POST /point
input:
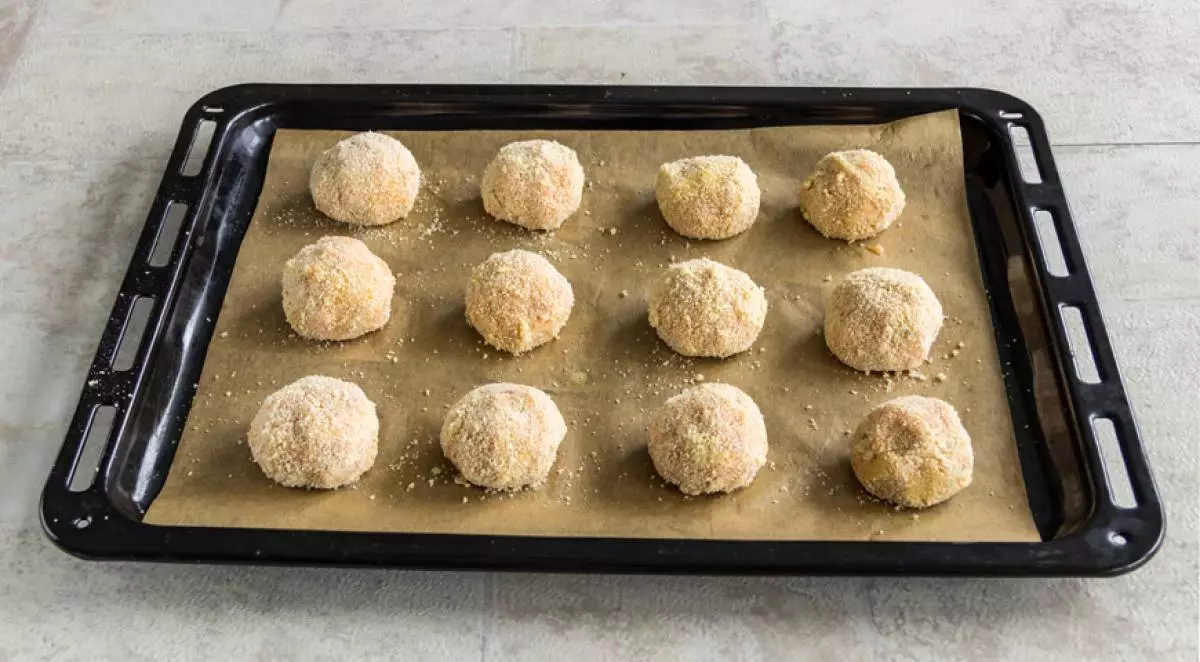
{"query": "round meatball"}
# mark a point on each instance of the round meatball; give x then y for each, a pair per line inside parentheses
(851, 195)
(366, 179)
(535, 184)
(912, 451)
(708, 197)
(337, 289)
(517, 301)
(503, 436)
(710, 438)
(704, 308)
(316, 432)
(882, 319)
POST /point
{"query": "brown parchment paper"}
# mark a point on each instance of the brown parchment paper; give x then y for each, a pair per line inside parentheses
(608, 371)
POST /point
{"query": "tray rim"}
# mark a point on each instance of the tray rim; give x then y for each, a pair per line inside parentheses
(1086, 551)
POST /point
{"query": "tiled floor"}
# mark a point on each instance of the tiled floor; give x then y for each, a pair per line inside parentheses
(92, 91)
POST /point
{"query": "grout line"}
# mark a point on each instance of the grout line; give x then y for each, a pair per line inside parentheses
(1186, 299)
(272, 28)
(133, 160)
(514, 56)
(262, 32)
(599, 25)
(634, 25)
(1148, 143)
(489, 624)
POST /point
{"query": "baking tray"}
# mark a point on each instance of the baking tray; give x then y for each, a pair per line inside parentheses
(148, 363)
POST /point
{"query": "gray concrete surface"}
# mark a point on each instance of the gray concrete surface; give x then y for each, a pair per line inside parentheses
(91, 93)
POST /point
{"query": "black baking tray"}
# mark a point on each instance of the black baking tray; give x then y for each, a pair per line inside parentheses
(1083, 530)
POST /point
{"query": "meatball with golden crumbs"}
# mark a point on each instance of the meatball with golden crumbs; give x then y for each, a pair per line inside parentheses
(535, 184)
(708, 197)
(517, 301)
(913, 451)
(337, 289)
(503, 436)
(710, 438)
(317, 432)
(882, 319)
(704, 308)
(366, 179)
(851, 195)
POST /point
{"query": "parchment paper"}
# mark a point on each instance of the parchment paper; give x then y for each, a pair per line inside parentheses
(608, 372)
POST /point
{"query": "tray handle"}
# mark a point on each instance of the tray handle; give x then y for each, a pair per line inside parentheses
(131, 334)
(1131, 532)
